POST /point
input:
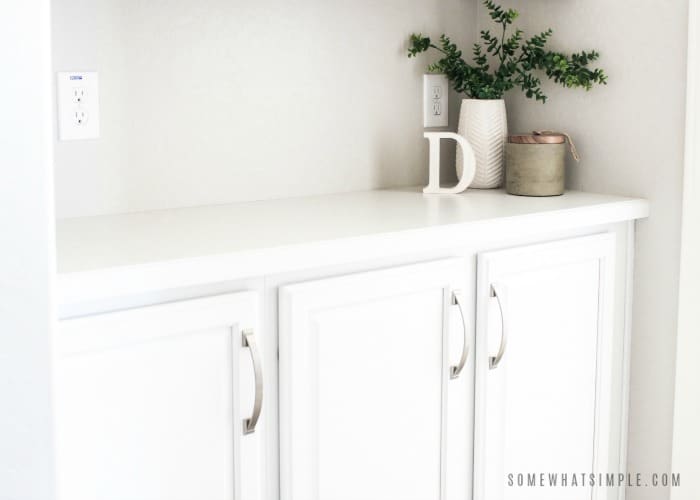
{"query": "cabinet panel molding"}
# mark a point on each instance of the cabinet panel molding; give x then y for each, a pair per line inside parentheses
(152, 402)
(366, 399)
(546, 407)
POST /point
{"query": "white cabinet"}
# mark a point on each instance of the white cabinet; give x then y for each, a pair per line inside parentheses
(359, 398)
(433, 381)
(152, 403)
(370, 408)
(543, 369)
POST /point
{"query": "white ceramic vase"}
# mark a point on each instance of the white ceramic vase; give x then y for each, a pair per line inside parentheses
(484, 124)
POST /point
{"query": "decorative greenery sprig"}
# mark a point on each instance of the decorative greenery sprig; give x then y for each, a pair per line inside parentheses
(516, 61)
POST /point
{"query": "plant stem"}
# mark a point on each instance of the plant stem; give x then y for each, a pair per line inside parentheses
(502, 52)
(437, 48)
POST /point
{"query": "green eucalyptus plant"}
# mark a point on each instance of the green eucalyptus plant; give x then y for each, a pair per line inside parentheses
(515, 61)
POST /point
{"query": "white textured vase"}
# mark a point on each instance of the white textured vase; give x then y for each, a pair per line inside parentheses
(484, 124)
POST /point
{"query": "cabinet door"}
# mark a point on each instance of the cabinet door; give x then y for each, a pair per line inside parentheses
(151, 403)
(544, 336)
(368, 408)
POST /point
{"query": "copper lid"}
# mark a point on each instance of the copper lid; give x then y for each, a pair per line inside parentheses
(537, 139)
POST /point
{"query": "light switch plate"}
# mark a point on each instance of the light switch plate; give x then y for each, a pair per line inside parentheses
(77, 95)
(435, 101)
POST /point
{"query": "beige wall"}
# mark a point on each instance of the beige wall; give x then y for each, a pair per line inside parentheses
(686, 434)
(631, 136)
(218, 101)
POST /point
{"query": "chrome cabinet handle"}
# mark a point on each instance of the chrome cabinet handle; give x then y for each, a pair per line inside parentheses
(498, 291)
(457, 369)
(249, 341)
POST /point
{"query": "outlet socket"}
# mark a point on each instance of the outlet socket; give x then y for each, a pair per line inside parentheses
(80, 117)
(79, 95)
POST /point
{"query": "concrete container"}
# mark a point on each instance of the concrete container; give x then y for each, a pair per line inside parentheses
(535, 165)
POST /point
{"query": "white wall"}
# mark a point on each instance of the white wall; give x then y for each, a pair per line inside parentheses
(218, 101)
(630, 135)
(26, 256)
(686, 434)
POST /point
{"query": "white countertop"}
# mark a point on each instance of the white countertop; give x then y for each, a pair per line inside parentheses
(95, 245)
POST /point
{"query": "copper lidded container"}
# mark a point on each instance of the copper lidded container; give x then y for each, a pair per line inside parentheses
(535, 164)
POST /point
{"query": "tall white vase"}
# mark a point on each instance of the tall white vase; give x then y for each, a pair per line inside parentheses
(484, 124)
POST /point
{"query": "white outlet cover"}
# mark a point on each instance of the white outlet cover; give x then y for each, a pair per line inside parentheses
(77, 95)
(435, 105)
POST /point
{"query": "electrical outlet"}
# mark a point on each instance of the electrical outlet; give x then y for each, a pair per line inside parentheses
(79, 95)
(80, 117)
(435, 94)
(78, 106)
